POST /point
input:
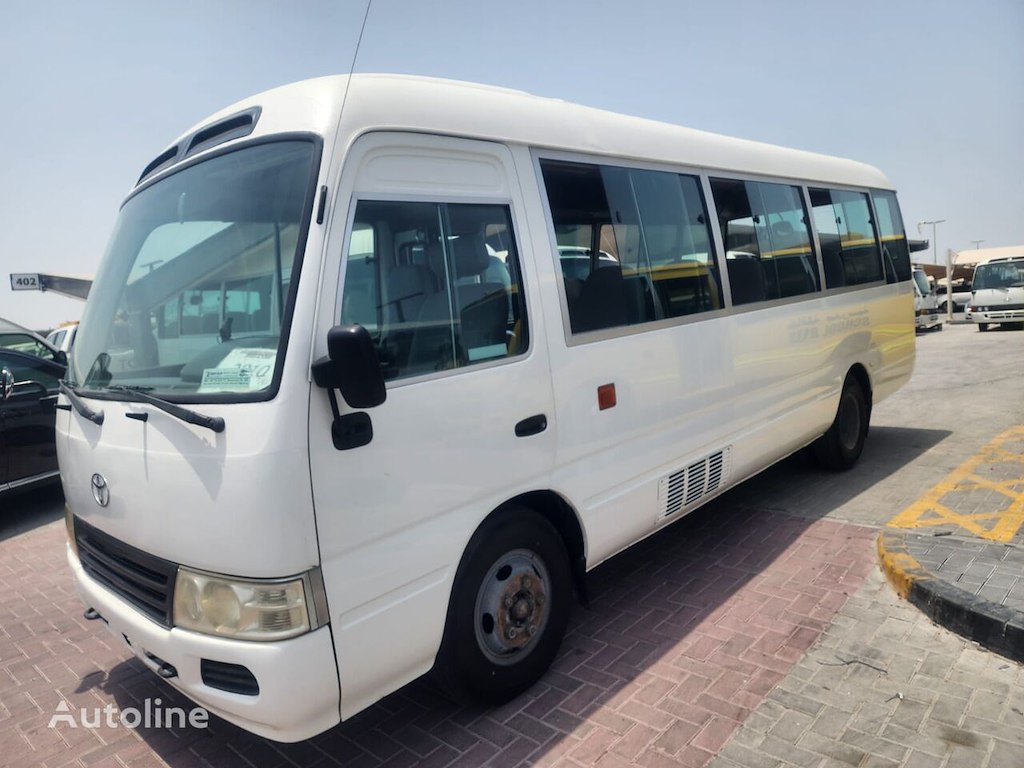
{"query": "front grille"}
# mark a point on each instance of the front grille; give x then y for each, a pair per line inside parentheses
(145, 581)
(233, 678)
(1002, 308)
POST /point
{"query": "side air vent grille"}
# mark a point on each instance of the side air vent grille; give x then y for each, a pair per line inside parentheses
(686, 487)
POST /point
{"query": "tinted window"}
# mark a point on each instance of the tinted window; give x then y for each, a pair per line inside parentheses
(27, 368)
(895, 252)
(437, 285)
(849, 247)
(22, 342)
(634, 245)
(767, 240)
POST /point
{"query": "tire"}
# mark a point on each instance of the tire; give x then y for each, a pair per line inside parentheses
(508, 610)
(841, 446)
(982, 327)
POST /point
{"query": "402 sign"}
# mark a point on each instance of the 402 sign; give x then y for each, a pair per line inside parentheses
(26, 283)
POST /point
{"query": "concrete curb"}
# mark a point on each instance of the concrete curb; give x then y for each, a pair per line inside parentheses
(994, 626)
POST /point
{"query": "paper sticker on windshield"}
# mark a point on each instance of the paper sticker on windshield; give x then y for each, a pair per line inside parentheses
(242, 370)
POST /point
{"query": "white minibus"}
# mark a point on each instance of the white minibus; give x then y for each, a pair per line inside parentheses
(997, 293)
(376, 368)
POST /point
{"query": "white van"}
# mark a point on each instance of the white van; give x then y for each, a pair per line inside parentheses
(997, 294)
(926, 303)
(339, 413)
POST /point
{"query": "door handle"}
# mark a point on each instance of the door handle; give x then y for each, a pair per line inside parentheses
(533, 425)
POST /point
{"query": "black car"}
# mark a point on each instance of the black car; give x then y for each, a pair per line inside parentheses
(30, 370)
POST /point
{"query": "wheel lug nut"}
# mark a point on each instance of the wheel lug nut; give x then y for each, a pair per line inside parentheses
(531, 630)
(509, 601)
(511, 634)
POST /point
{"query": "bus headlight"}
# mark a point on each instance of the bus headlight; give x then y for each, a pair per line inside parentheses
(248, 610)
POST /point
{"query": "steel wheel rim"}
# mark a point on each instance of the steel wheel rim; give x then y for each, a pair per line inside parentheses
(512, 606)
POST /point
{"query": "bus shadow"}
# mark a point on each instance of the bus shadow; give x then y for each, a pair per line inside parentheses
(662, 645)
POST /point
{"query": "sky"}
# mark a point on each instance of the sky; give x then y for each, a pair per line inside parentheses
(931, 92)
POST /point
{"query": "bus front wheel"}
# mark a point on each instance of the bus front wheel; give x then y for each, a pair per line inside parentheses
(841, 446)
(982, 327)
(508, 610)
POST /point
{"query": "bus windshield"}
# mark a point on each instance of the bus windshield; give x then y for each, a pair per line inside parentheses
(192, 294)
(1002, 274)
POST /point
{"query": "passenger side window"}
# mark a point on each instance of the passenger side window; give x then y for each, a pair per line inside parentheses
(849, 247)
(438, 285)
(895, 250)
(634, 245)
(767, 239)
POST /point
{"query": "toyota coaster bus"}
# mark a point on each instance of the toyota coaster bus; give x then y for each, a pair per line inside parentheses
(997, 293)
(376, 368)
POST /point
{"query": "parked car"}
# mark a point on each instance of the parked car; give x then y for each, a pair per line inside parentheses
(62, 338)
(30, 369)
(576, 261)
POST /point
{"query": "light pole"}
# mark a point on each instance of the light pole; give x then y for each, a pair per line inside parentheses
(977, 243)
(949, 266)
(935, 245)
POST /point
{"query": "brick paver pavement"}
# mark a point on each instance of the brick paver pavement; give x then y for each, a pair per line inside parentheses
(687, 634)
(884, 686)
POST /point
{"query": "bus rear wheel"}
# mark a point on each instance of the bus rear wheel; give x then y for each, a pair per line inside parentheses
(508, 610)
(841, 446)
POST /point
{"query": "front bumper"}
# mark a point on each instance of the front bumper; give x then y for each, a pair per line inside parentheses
(996, 316)
(298, 678)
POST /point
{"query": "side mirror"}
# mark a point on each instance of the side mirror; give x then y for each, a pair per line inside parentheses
(351, 366)
(6, 383)
(61, 357)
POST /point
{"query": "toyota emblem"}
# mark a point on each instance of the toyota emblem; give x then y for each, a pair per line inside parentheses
(100, 490)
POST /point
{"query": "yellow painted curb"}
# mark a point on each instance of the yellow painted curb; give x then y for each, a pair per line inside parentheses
(898, 565)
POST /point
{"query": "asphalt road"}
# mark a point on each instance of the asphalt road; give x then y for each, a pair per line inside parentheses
(756, 632)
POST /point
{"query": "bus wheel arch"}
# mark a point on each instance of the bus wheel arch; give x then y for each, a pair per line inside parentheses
(509, 604)
(561, 515)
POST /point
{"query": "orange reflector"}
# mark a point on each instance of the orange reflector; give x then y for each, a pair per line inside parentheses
(606, 396)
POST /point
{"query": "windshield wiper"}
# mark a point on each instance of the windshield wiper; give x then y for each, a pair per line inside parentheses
(96, 417)
(214, 423)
